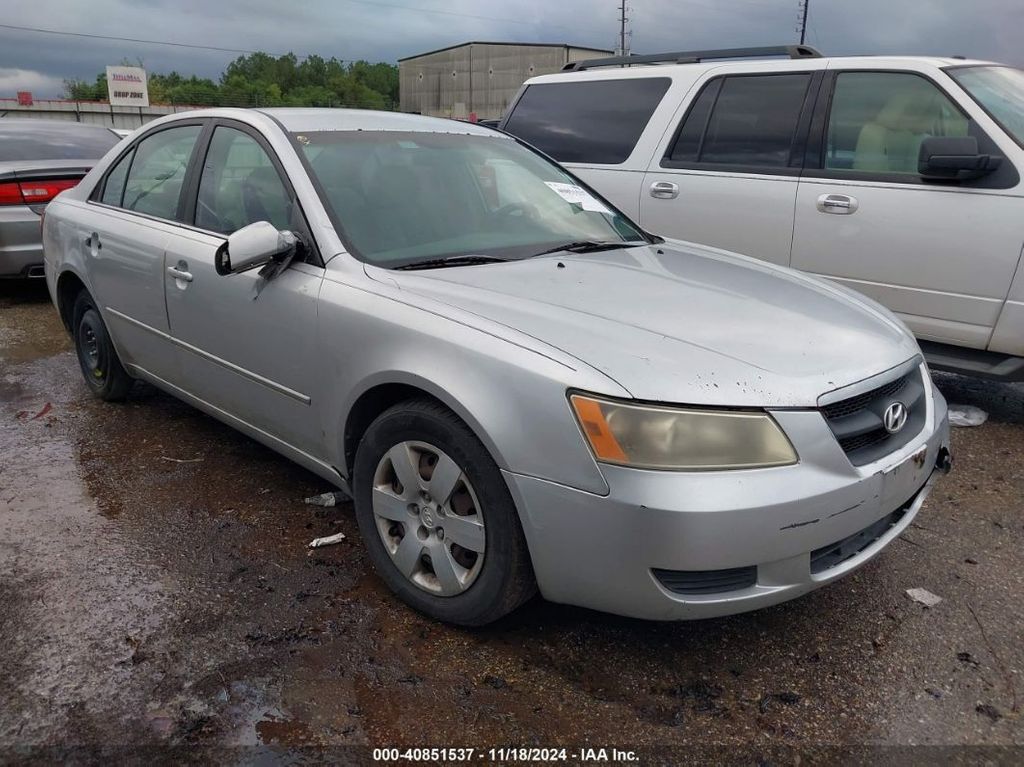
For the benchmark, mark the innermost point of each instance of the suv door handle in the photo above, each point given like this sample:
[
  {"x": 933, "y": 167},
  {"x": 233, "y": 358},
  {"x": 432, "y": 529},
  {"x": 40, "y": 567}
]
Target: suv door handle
[
  {"x": 180, "y": 272},
  {"x": 841, "y": 204},
  {"x": 664, "y": 190}
]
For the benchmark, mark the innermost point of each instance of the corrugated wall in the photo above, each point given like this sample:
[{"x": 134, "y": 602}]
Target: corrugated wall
[{"x": 480, "y": 78}]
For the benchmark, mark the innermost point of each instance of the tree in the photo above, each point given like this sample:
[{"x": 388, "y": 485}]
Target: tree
[{"x": 260, "y": 79}]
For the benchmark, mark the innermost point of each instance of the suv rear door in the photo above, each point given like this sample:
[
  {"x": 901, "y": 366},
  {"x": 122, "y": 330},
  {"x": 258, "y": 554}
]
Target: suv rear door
[
  {"x": 726, "y": 172},
  {"x": 941, "y": 255}
]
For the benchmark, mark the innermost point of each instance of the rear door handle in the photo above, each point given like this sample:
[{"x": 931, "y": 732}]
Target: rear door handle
[
  {"x": 841, "y": 204},
  {"x": 180, "y": 272},
  {"x": 664, "y": 190}
]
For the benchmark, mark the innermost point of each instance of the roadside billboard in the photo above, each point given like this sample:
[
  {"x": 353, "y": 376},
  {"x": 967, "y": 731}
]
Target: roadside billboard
[{"x": 126, "y": 87}]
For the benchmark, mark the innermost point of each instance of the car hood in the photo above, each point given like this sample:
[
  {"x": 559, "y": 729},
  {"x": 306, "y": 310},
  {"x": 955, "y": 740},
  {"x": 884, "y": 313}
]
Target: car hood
[{"x": 682, "y": 323}]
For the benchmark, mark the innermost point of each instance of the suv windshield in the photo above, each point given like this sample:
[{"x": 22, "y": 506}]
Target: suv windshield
[
  {"x": 1000, "y": 91},
  {"x": 403, "y": 198}
]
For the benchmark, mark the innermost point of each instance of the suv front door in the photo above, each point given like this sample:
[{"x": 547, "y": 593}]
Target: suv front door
[
  {"x": 940, "y": 255},
  {"x": 249, "y": 356}
]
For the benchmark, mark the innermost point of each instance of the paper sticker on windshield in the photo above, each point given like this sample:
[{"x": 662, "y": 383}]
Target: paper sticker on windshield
[{"x": 577, "y": 195}]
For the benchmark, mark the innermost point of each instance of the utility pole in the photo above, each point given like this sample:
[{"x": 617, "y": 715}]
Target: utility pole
[
  {"x": 623, "y": 8},
  {"x": 805, "y": 7}
]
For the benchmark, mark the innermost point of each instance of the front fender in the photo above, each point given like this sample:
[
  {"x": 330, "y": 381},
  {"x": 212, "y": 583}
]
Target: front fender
[{"x": 512, "y": 397}]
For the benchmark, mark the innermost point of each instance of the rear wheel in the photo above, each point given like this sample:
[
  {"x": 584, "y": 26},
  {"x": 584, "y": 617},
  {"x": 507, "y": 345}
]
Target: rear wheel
[
  {"x": 101, "y": 367},
  {"x": 437, "y": 518}
]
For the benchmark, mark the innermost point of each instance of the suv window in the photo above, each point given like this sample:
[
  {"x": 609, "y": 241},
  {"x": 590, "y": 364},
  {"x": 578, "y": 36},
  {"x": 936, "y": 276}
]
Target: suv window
[
  {"x": 743, "y": 120},
  {"x": 158, "y": 171},
  {"x": 589, "y": 121},
  {"x": 240, "y": 185},
  {"x": 879, "y": 119}
]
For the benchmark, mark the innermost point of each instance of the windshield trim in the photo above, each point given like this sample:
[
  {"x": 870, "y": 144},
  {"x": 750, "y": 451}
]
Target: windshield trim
[
  {"x": 498, "y": 135},
  {"x": 951, "y": 69}
]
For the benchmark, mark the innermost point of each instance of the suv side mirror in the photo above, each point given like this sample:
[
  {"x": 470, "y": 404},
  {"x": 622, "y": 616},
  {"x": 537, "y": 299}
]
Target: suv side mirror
[
  {"x": 254, "y": 246},
  {"x": 954, "y": 158}
]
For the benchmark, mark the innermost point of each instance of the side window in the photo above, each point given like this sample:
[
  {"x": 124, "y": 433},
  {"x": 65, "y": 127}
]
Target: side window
[
  {"x": 743, "y": 121},
  {"x": 879, "y": 119},
  {"x": 597, "y": 121},
  {"x": 113, "y": 188},
  {"x": 240, "y": 185},
  {"x": 154, "y": 182}
]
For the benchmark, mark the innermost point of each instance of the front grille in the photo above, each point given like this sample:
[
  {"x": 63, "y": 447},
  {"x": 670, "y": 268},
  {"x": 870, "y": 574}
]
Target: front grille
[
  {"x": 857, "y": 422},
  {"x": 836, "y": 553},
  {"x": 854, "y": 404},
  {"x": 707, "y": 581}
]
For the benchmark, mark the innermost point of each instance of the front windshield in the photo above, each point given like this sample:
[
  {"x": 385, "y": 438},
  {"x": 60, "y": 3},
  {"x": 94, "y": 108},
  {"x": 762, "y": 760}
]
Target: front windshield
[
  {"x": 407, "y": 197},
  {"x": 1000, "y": 91}
]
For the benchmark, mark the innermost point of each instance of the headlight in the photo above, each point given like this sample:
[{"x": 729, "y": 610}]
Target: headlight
[{"x": 650, "y": 437}]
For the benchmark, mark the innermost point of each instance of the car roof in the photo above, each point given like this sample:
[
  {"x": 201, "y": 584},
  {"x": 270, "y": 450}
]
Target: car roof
[
  {"x": 312, "y": 120},
  {"x": 753, "y": 65}
]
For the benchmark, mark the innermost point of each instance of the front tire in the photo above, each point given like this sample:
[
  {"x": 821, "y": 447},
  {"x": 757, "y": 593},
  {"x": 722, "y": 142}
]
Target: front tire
[
  {"x": 101, "y": 367},
  {"x": 437, "y": 518}
]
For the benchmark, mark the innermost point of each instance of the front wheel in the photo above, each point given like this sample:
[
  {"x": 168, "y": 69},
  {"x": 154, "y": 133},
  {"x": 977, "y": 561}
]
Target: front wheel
[
  {"x": 101, "y": 367},
  {"x": 437, "y": 518}
]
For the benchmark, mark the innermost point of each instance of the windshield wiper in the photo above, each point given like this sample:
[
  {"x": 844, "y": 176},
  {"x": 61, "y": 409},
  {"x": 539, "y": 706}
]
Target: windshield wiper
[
  {"x": 590, "y": 246},
  {"x": 437, "y": 263}
]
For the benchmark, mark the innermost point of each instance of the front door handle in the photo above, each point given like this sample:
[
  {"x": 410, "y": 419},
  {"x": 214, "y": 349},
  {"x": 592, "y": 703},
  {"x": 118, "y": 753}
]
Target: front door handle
[
  {"x": 840, "y": 204},
  {"x": 664, "y": 190},
  {"x": 180, "y": 272}
]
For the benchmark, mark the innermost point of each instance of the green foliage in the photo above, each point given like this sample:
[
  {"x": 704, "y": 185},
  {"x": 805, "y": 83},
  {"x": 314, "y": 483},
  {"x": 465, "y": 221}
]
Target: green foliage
[{"x": 260, "y": 79}]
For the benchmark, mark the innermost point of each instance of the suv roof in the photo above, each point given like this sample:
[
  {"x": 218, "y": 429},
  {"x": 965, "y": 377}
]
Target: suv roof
[{"x": 739, "y": 59}]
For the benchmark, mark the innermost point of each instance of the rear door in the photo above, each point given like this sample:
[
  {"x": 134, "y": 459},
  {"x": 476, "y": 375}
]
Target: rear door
[
  {"x": 726, "y": 173},
  {"x": 123, "y": 232},
  {"x": 940, "y": 255},
  {"x": 249, "y": 354}
]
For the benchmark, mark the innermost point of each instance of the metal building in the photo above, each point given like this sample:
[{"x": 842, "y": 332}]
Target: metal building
[{"x": 480, "y": 78}]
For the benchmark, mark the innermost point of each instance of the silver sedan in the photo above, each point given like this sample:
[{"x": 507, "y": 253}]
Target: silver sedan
[{"x": 519, "y": 387}]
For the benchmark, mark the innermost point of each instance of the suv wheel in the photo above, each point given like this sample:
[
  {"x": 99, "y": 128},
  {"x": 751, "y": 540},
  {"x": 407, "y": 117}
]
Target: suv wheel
[
  {"x": 437, "y": 517},
  {"x": 101, "y": 367}
]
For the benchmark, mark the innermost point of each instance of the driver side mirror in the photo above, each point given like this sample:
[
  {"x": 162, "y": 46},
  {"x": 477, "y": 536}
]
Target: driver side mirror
[
  {"x": 253, "y": 246},
  {"x": 954, "y": 158}
]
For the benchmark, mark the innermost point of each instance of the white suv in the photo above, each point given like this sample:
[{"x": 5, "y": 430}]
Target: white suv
[{"x": 895, "y": 176}]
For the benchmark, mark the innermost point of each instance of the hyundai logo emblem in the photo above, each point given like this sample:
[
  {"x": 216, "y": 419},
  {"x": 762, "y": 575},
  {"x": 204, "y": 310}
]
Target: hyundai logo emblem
[{"x": 895, "y": 417}]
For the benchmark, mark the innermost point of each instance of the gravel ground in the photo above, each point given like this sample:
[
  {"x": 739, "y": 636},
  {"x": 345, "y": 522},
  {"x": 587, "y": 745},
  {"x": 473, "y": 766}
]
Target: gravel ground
[{"x": 156, "y": 590}]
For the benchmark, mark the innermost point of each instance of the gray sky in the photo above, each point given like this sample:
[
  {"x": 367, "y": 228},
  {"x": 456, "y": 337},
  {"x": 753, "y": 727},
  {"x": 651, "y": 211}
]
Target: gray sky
[{"x": 389, "y": 29}]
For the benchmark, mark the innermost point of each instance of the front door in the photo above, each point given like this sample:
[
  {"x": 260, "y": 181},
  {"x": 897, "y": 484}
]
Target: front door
[
  {"x": 250, "y": 355},
  {"x": 941, "y": 256}
]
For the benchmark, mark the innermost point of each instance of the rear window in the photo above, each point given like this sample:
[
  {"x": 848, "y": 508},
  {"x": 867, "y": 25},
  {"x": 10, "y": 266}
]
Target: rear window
[
  {"x": 594, "y": 121},
  {"x": 57, "y": 141}
]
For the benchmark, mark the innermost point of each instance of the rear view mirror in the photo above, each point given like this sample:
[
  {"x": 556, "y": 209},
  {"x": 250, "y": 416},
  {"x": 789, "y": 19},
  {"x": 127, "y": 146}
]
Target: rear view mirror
[
  {"x": 254, "y": 246},
  {"x": 948, "y": 158}
]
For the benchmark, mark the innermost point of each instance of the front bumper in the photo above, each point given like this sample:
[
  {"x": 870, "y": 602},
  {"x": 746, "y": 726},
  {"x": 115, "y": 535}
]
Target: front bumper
[
  {"x": 21, "y": 244},
  {"x": 603, "y": 552}
]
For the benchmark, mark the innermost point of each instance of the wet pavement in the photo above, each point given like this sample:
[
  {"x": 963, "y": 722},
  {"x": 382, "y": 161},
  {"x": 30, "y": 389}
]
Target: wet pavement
[{"x": 156, "y": 589}]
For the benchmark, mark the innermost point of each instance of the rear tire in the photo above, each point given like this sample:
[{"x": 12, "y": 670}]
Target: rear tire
[
  {"x": 403, "y": 525},
  {"x": 101, "y": 367}
]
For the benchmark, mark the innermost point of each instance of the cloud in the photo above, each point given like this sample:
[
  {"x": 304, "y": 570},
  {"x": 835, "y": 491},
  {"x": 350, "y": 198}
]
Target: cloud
[
  {"x": 42, "y": 86},
  {"x": 385, "y": 30}
]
